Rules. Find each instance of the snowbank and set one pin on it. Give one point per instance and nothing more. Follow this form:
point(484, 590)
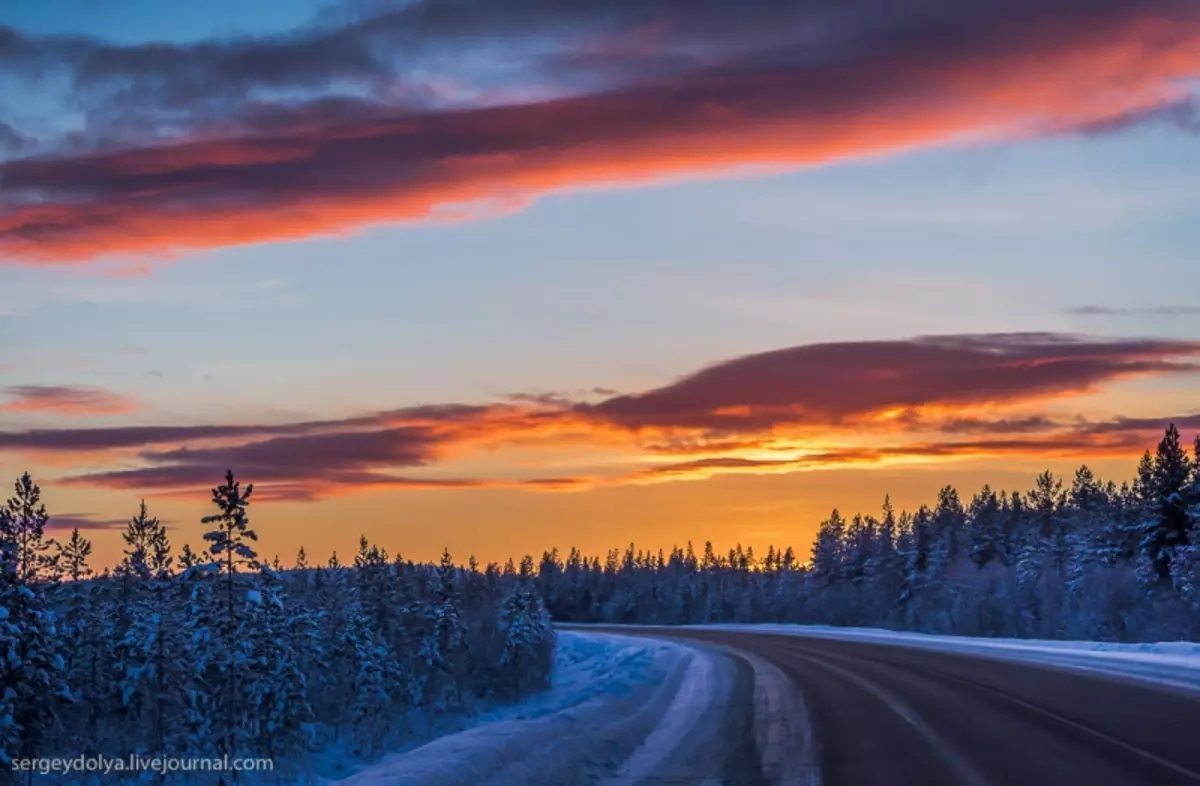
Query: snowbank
point(616, 707)
point(1175, 663)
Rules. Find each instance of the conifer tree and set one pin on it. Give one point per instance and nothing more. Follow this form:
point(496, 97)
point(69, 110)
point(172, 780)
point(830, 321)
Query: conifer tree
point(32, 682)
point(447, 648)
point(276, 687)
point(150, 649)
point(1167, 521)
point(229, 546)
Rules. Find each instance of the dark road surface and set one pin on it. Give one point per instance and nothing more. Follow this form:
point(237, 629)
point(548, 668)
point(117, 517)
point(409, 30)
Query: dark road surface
point(897, 716)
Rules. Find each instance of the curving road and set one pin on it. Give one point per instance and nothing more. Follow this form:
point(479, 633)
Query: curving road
point(866, 714)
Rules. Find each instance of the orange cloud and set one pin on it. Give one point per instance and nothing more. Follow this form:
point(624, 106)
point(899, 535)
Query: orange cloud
point(963, 75)
point(789, 410)
point(67, 400)
point(1064, 444)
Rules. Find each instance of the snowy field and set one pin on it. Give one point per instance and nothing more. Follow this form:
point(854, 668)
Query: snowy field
point(1175, 663)
point(618, 708)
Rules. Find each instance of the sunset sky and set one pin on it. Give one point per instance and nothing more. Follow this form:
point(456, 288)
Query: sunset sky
point(502, 275)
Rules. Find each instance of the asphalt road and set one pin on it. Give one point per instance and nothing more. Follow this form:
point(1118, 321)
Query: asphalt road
point(897, 716)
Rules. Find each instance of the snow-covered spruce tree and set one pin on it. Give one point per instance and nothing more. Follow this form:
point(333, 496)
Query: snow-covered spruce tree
point(200, 677)
point(32, 687)
point(276, 686)
point(74, 593)
point(84, 644)
point(1166, 521)
point(229, 546)
point(370, 701)
point(395, 600)
point(305, 634)
point(331, 667)
point(187, 558)
point(527, 653)
point(10, 636)
point(481, 605)
point(446, 650)
point(150, 648)
point(1186, 558)
point(376, 591)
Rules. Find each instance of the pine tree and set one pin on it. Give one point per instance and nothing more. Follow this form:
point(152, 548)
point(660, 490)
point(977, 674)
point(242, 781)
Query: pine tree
point(525, 657)
point(32, 683)
point(827, 549)
point(447, 649)
point(24, 526)
point(80, 630)
point(1167, 522)
point(276, 686)
point(201, 677)
point(1192, 498)
point(73, 557)
point(987, 529)
point(72, 560)
point(10, 642)
point(230, 548)
point(949, 523)
point(368, 711)
point(150, 646)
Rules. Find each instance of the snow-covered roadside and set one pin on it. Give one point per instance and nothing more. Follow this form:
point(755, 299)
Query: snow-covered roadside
point(611, 696)
point(1175, 663)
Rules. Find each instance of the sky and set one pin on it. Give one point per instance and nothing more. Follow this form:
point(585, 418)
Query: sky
point(511, 275)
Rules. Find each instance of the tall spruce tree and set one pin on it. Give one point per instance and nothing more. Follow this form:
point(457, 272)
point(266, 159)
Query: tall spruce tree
point(230, 547)
point(32, 684)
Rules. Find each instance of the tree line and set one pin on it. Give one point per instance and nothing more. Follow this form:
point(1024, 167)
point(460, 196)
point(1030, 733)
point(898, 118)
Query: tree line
point(216, 653)
point(1086, 559)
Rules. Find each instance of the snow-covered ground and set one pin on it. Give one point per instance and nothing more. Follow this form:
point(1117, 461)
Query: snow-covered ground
point(626, 709)
point(1175, 663)
point(619, 707)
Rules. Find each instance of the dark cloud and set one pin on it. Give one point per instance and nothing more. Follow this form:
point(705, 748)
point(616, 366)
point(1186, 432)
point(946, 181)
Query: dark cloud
point(173, 75)
point(1142, 311)
point(11, 142)
point(116, 438)
point(65, 522)
point(1182, 113)
point(1026, 425)
point(307, 466)
point(304, 455)
point(1143, 428)
point(298, 485)
point(835, 382)
point(685, 88)
point(124, 437)
point(540, 399)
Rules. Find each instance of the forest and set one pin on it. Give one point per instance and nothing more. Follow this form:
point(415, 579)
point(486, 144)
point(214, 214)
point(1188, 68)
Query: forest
point(1084, 560)
point(214, 652)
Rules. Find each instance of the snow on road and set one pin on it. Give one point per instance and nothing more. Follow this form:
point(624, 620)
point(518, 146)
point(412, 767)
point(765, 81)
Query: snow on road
point(611, 697)
point(1175, 663)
